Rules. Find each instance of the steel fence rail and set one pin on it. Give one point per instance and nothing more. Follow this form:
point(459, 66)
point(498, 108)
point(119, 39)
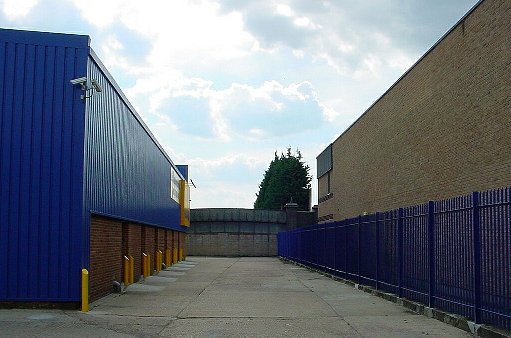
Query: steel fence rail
point(453, 254)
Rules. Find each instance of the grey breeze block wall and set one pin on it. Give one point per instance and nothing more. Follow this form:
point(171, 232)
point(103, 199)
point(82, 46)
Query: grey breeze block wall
point(442, 130)
point(240, 232)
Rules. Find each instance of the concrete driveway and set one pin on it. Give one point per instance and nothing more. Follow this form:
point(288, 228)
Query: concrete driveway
point(231, 297)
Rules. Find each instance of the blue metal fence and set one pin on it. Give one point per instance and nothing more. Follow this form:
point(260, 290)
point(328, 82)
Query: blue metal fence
point(454, 254)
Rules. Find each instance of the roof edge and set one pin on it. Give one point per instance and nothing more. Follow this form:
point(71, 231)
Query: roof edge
point(133, 111)
point(45, 38)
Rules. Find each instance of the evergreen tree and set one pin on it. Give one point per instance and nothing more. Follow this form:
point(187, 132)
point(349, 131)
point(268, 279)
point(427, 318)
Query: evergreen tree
point(286, 178)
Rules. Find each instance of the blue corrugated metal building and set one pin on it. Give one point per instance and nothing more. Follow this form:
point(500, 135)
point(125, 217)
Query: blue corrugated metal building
point(68, 153)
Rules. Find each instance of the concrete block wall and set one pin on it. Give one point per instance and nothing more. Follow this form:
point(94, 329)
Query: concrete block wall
point(240, 232)
point(232, 245)
point(441, 131)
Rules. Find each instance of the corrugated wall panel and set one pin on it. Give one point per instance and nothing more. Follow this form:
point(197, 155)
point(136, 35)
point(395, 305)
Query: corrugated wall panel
point(41, 163)
point(127, 173)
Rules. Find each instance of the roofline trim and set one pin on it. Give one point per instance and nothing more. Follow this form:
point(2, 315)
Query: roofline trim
point(112, 81)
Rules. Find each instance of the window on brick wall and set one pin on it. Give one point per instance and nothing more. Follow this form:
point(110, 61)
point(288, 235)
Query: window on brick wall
point(327, 192)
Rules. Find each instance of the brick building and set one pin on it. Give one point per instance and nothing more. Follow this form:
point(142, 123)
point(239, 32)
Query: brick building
point(83, 180)
point(443, 129)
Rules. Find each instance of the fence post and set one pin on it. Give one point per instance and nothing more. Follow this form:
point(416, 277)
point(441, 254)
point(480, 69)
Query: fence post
point(400, 251)
point(377, 237)
point(431, 253)
point(358, 247)
point(477, 256)
point(345, 251)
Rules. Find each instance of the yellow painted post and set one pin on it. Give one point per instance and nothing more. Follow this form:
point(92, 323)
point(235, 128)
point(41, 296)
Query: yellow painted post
point(174, 255)
point(85, 290)
point(180, 254)
point(132, 270)
point(149, 268)
point(161, 259)
point(167, 258)
point(157, 267)
point(144, 264)
point(126, 277)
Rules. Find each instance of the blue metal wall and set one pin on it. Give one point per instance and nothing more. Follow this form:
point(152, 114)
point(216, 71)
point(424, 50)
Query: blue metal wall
point(41, 165)
point(61, 159)
point(127, 173)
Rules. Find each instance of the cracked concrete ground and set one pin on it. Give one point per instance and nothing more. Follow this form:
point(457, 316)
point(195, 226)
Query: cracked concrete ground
point(231, 297)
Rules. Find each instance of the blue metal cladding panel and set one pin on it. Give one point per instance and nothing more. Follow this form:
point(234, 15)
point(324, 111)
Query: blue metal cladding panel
point(127, 173)
point(183, 169)
point(41, 165)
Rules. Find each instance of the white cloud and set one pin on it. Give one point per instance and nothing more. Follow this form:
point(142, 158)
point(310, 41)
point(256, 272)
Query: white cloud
point(14, 9)
point(223, 84)
point(101, 13)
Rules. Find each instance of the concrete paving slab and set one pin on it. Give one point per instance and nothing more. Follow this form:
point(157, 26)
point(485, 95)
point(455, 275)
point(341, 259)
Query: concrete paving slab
point(157, 280)
point(257, 327)
point(231, 297)
point(232, 303)
point(411, 325)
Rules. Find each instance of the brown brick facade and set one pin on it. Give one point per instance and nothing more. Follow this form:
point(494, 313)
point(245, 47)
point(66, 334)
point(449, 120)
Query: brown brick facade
point(148, 243)
point(182, 237)
point(442, 130)
point(160, 239)
point(105, 256)
point(132, 245)
point(111, 239)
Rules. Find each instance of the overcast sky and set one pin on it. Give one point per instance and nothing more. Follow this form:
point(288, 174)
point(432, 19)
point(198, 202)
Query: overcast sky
point(223, 84)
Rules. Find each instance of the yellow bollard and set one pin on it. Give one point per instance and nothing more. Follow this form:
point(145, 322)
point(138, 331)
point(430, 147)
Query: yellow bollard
point(149, 267)
point(167, 258)
point(126, 276)
point(144, 265)
point(132, 270)
point(85, 290)
point(157, 267)
point(180, 254)
point(174, 255)
point(160, 260)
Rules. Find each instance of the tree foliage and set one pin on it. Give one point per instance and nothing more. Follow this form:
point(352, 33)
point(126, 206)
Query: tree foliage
point(287, 177)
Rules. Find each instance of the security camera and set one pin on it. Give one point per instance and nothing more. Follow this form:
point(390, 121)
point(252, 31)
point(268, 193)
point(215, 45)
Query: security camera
point(79, 81)
point(96, 86)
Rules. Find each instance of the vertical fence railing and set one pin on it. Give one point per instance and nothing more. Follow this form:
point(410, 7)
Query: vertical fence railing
point(453, 254)
point(431, 254)
point(476, 235)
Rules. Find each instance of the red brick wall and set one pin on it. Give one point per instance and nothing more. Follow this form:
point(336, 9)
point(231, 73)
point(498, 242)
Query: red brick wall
point(160, 242)
point(105, 256)
point(441, 131)
point(132, 245)
point(168, 239)
point(182, 237)
point(148, 243)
